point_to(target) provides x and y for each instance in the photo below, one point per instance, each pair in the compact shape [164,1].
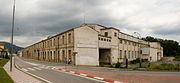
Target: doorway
[104,57]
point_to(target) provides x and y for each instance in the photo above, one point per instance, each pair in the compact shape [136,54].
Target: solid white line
[38,77]
[72,72]
[117,82]
[47,67]
[32,63]
[37,68]
[24,69]
[34,75]
[43,66]
[99,78]
[31,69]
[83,74]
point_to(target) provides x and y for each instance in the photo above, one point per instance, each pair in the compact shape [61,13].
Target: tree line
[170,47]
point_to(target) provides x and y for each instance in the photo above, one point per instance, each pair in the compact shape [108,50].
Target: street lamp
[12,33]
[140,58]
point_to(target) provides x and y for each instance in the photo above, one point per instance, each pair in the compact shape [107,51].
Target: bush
[135,61]
[118,65]
[177,58]
[138,61]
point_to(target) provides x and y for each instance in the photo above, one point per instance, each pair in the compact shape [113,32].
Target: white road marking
[53,68]
[43,66]
[46,67]
[117,82]
[32,63]
[37,68]
[23,69]
[71,71]
[83,74]
[99,78]
[39,77]
[31,69]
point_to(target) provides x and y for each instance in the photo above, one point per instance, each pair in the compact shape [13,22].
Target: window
[101,39]
[121,41]
[58,40]
[63,55]
[48,43]
[125,41]
[69,53]
[106,34]
[132,54]
[104,39]
[63,39]
[58,57]
[55,55]
[115,34]
[129,43]
[54,42]
[125,54]
[140,51]
[120,53]
[51,44]
[69,37]
[129,56]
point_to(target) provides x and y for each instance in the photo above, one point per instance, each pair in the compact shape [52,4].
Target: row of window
[56,41]
[106,34]
[128,42]
[104,39]
[128,54]
[48,54]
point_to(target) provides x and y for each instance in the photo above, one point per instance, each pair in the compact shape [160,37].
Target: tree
[170,47]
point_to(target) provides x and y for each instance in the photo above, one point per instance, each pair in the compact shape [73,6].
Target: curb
[90,76]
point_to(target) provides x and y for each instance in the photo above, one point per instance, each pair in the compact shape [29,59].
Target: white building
[93,44]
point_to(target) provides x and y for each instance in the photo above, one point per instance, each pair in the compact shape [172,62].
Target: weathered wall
[86,44]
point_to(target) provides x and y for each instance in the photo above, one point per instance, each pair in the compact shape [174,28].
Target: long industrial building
[93,44]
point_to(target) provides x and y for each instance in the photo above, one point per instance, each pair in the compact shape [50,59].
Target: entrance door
[104,57]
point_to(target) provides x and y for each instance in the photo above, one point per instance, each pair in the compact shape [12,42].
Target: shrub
[118,65]
[177,58]
[135,61]
[165,66]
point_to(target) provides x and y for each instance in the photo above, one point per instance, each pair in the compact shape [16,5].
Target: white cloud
[36,19]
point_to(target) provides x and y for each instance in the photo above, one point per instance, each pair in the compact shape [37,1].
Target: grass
[4,77]
[164,66]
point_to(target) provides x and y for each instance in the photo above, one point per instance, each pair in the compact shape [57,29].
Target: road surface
[46,72]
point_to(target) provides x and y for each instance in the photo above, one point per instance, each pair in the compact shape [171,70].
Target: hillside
[7,46]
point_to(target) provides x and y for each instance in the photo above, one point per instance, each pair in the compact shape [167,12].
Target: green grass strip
[4,77]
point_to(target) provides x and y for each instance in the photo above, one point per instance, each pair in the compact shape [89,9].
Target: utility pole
[140,57]
[12,33]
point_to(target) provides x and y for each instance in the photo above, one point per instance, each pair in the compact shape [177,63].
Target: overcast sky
[37,19]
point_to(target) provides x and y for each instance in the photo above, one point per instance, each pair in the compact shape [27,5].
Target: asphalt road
[104,69]
[46,72]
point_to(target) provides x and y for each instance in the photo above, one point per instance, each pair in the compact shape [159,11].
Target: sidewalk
[19,76]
